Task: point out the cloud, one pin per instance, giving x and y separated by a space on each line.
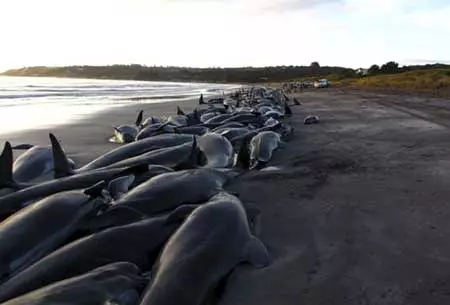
394 7
266 5
293 5
426 61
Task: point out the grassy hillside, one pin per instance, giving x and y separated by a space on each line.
435 81
222 75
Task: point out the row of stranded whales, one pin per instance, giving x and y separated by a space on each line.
149 222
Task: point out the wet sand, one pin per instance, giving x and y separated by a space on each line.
88 138
359 213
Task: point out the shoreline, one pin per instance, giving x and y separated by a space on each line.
87 138
127 79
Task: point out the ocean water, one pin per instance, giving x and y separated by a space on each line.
30 102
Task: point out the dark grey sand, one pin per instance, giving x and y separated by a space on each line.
360 213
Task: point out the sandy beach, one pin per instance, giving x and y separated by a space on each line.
357 215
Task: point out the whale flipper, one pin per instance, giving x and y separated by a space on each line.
256 253
62 165
120 186
139 118
23 146
95 190
180 111
180 213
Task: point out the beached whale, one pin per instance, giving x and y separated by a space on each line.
208 115
222 127
165 192
262 147
212 241
182 156
151 120
245 118
116 283
216 149
124 134
232 132
154 130
194 130
137 243
218 119
35 231
36 163
127 133
178 120
7 183
118 154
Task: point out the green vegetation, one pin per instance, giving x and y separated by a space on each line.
219 75
393 67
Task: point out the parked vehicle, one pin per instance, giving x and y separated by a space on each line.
322 83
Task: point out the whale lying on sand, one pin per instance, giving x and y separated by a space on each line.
37 230
135 243
209 244
117 283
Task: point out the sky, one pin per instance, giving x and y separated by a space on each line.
223 33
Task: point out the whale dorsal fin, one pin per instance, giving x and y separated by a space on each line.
6 166
61 163
180 111
287 109
192 159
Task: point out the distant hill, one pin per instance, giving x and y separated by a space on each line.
219 75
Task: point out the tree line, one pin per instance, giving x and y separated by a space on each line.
218 75
393 67
159 73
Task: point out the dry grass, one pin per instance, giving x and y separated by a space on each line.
436 81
